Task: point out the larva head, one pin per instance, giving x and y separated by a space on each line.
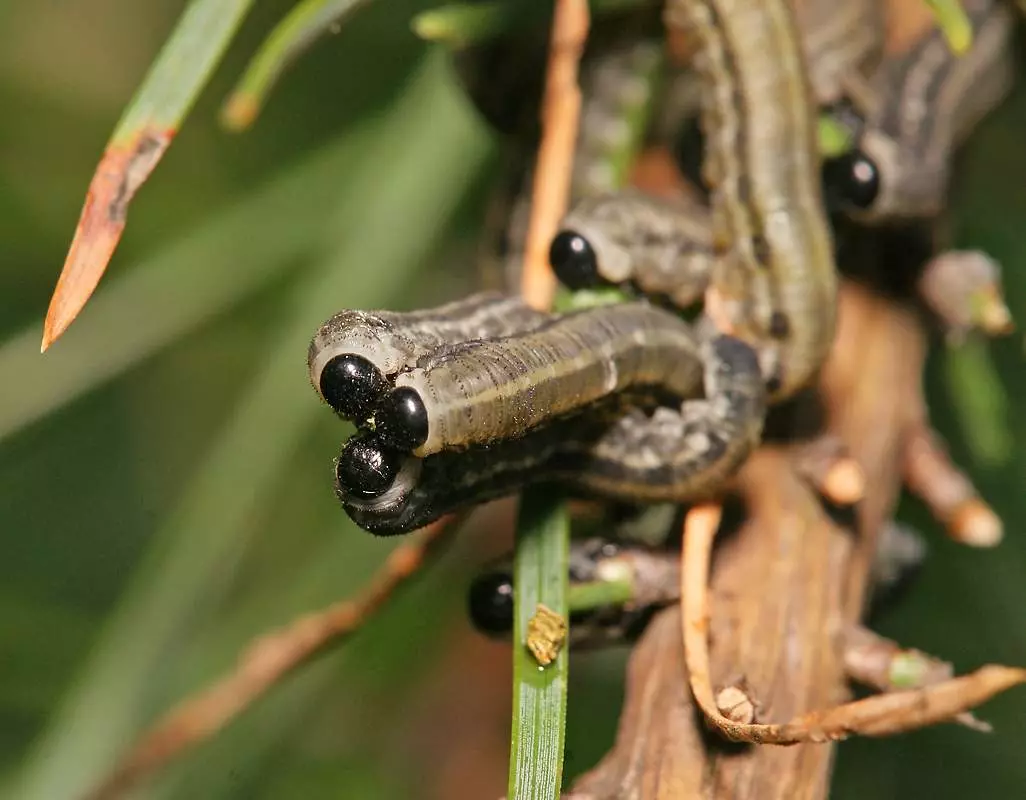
402 420
879 181
351 385
573 260
586 253
852 182
490 603
349 358
366 468
386 492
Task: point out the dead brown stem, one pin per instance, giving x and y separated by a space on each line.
825 463
926 703
950 495
882 664
263 664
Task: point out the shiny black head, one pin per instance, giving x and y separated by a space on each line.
574 261
402 420
490 603
366 468
852 181
352 386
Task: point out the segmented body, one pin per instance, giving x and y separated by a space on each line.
775 277
483 391
623 449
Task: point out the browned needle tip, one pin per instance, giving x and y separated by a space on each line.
122 170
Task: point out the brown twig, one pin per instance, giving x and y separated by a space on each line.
882 715
882 664
964 289
825 463
950 495
263 664
561 110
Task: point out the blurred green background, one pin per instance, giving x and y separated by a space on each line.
165 486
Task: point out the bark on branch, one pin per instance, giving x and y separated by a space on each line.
785 586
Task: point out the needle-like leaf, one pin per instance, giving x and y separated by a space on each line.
539 693
303 25
139 141
182 287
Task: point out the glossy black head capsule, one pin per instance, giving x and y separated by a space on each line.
490 603
574 261
852 181
366 468
402 420
352 386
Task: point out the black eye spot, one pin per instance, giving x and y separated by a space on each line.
366 468
490 603
352 385
779 327
761 249
852 180
574 261
402 421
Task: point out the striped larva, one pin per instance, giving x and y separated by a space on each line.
484 391
662 247
637 242
925 102
773 276
615 449
842 41
775 280
355 355
652 576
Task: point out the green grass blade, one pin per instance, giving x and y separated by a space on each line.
206 272
539 693
183 67
183 571
980 402
303 25
138 143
